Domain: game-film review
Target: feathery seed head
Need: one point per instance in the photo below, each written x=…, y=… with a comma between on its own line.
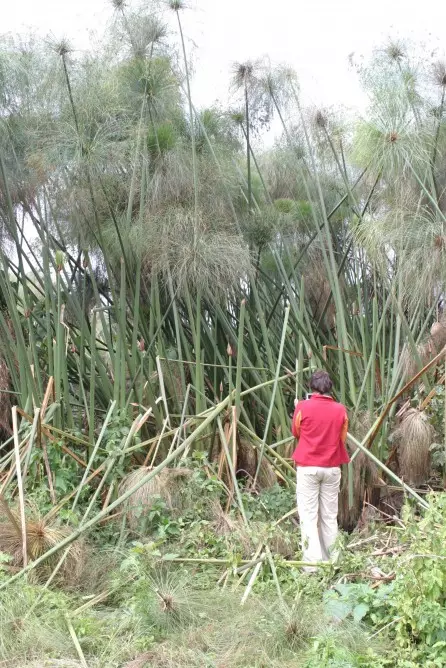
x=176, y=5
x=289, y=74
x=436, y=111
x=320, y=119
x=242, y=73
x=146, y=32
x=238, y=117
x=245, y=69
x=158, y=32
x=194, y=254
x=62, y=47
x=395, y=51
x=167, y=485
x=270, y=83
x=439, y=73
x=438, y=334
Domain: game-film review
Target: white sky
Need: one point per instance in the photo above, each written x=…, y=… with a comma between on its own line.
x=314, y=36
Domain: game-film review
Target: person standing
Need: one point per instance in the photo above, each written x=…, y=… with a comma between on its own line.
x=320, y=424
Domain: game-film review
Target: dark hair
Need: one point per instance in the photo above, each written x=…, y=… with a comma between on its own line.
x=321, y=382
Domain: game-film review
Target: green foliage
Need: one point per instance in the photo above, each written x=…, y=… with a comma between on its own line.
x=159, y=522
x=259, y=230
x=163, y=191
x=117, y=431
x=358, y=601
x=161, y=139
x=66, y=470
x=344, y=647
x=284, y=205
x=271, y=504
x=151, y=80
x=435, y=411
x=146, y=214
x=31, y=636
x=410, y=609
x=418, y=596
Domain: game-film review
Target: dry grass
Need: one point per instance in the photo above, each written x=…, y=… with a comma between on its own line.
x=45, y=663
x=413, y=438
x=169, y=656
x=258, y=634
x=100, y=567
x=172, y=379
x=438, y=334
x=29, y=636
x=167, y=485
x=279, y=541
x=43, y=534
x=426, y=350
x=409, y=362
x=222, y=523
x=140, y=661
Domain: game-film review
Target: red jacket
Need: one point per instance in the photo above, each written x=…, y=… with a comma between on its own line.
x=321, y=425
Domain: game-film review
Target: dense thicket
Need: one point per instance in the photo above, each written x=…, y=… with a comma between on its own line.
x=152, y=249
x=167, y=285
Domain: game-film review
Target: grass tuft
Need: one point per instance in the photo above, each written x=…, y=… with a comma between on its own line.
x=27, y=637
x=167, y=485
x=43, y=533
x=414, y=436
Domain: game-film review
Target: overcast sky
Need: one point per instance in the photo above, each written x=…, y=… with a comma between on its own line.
x=314, y=36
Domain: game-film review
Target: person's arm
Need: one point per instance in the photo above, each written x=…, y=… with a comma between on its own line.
x=344, y=430
x=297, y=417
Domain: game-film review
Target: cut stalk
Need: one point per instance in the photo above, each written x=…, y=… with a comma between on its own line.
x=94, y=453
x=273, y=396
x=20, y=485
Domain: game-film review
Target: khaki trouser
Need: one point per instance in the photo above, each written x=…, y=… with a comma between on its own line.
x=317, y=503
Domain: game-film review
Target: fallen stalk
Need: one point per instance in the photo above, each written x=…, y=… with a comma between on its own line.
x=406, y=387
x=248, y=562
x=391, y=474
x=121, y=499
x=76, y=642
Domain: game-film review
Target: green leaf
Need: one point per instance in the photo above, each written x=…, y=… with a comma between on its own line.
x=360, y=611
x=170, y=557
x=338, y=609
x=344, y=589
